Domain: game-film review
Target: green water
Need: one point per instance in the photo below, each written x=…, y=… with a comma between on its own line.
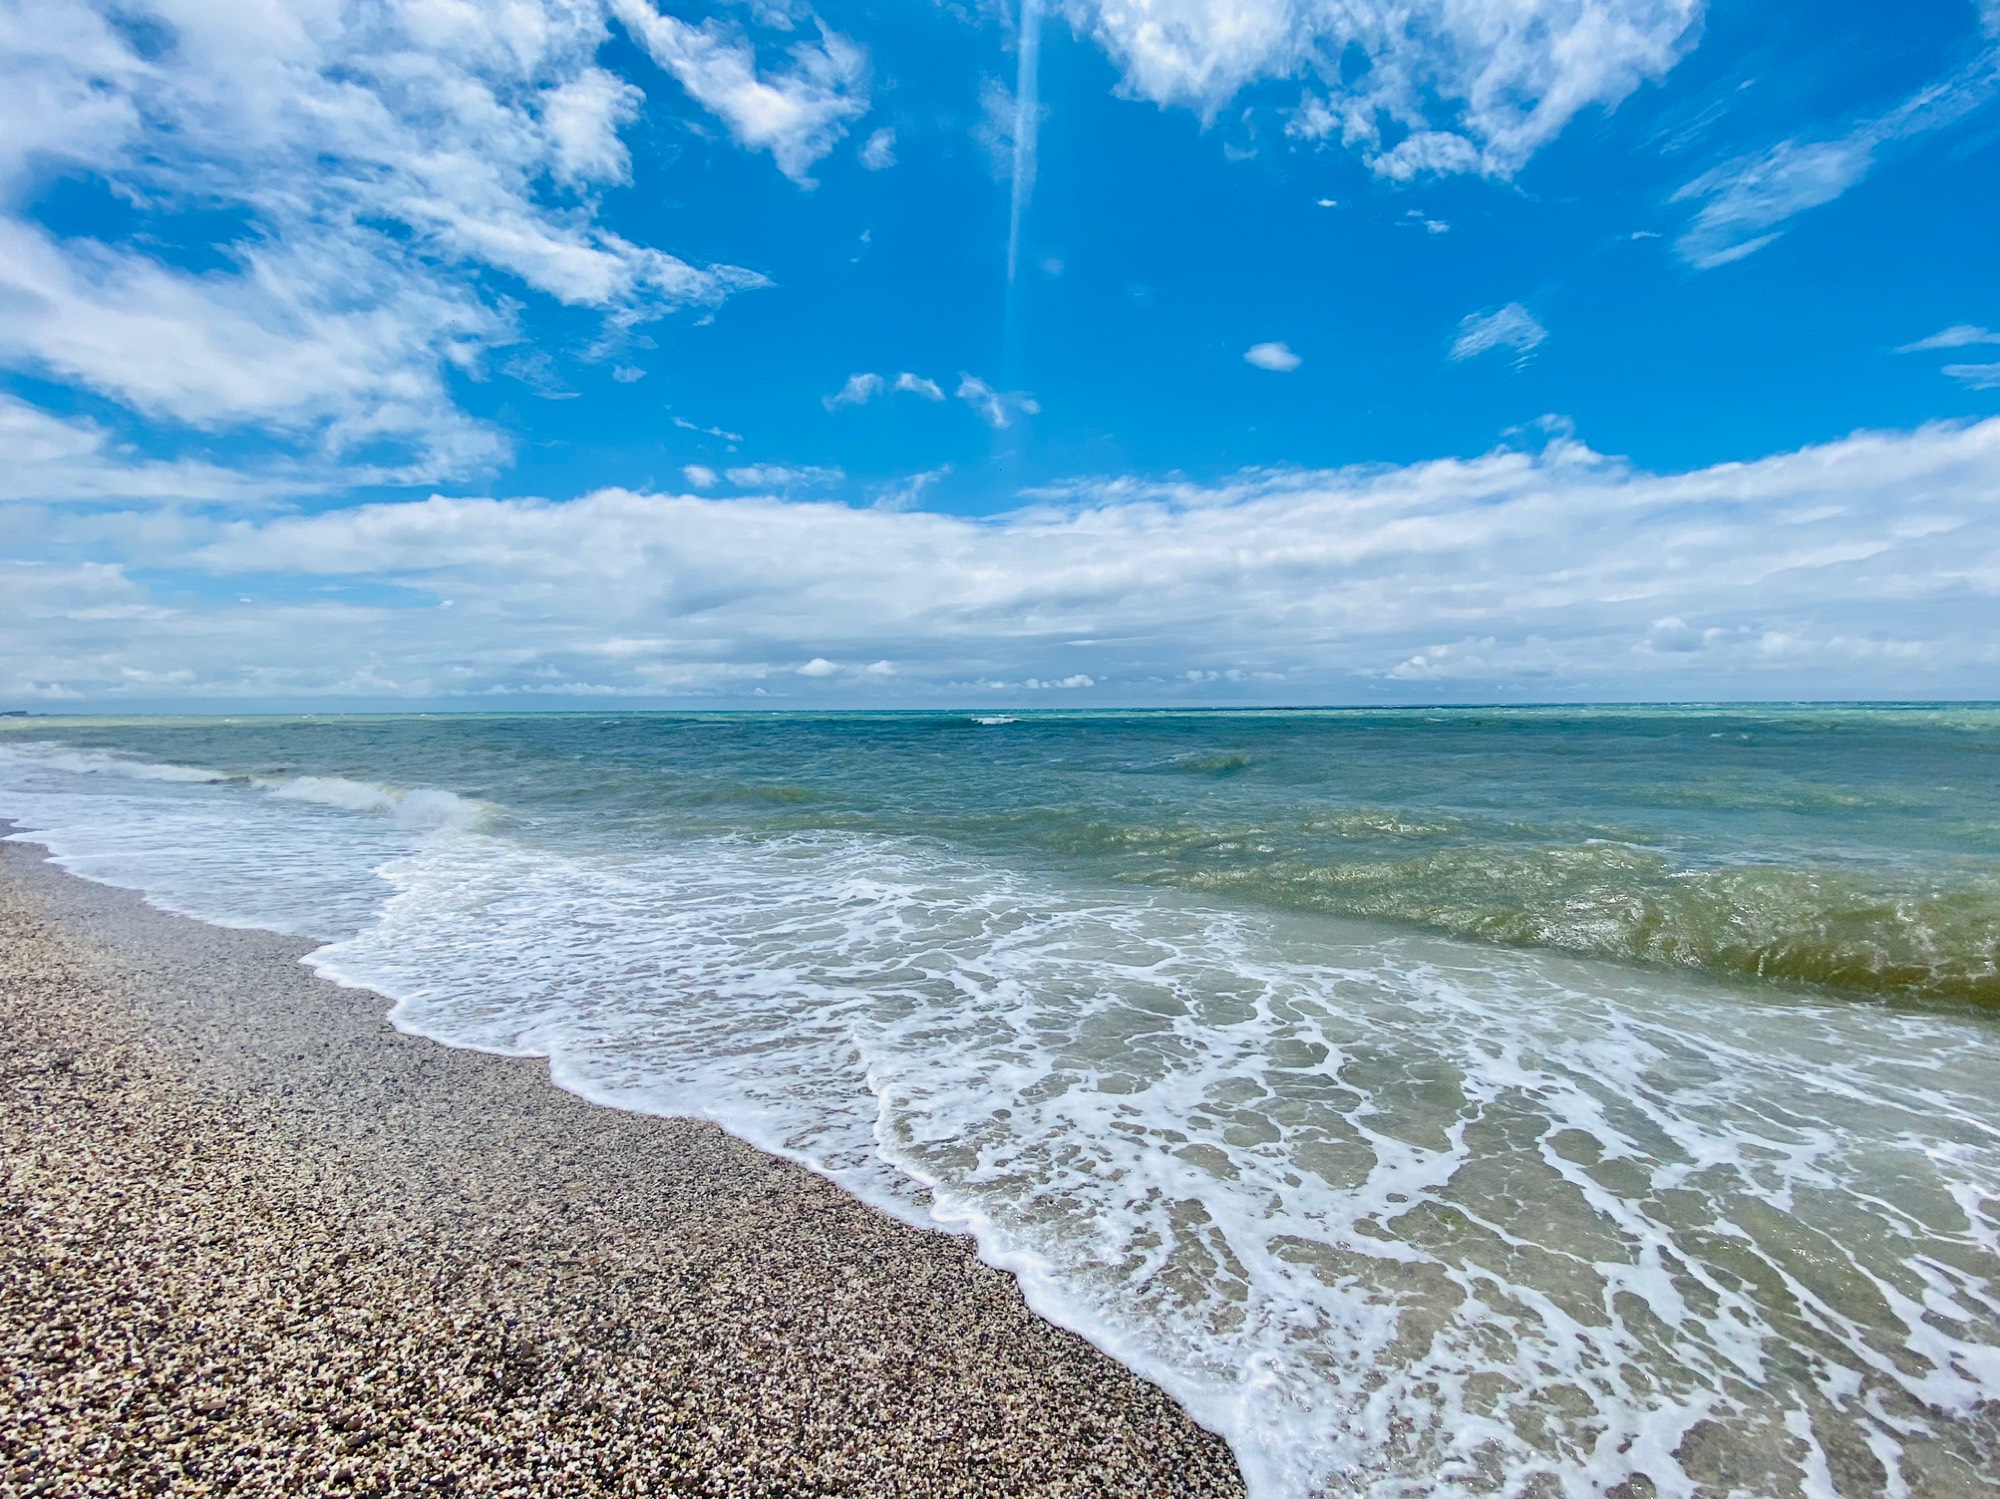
x=1855, y=849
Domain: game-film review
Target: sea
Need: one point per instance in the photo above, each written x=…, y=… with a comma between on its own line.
x=1558, y=1101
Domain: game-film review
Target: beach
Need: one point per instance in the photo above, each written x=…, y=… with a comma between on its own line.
x=1424, y=1104
x=258, y=1242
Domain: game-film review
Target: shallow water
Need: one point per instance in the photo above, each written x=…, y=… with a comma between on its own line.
x=1451, y=1102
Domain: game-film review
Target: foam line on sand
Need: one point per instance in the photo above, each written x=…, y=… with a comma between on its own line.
x=257, y=1241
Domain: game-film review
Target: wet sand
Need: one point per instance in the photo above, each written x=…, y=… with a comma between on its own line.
x=257, y=1242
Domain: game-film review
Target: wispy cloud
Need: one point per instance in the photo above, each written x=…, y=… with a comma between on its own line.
x=1010, y=128
x=782, y=477
x=878, y=152
x=864, y=387
x=73, y=460
x=797, y=114
x=1277, y=357
x=859, y=390
x=1510, y=327
x=1959, y=336
x=997, y=408
x=1426, y=153
x=380, y=167
x=1446, y=87
x=1977, y=376
x=719, y=432
x=908, y=492
x=1746, y=203
x=1027, y=127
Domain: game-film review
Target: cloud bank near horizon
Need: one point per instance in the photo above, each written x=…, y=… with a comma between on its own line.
x=1864, y=567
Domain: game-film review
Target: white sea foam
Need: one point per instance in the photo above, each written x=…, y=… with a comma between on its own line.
x=421, y=809
x=1396, y=1215
x=991, y=720
x=292, y=855
x=1392, y=1214
x=335, y=791
x=104, y=763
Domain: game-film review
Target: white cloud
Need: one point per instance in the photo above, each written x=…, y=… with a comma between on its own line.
x=858, y=391
x=878, y=152
x=71, y=82
x=1746, y=203
x=1958, y=336
x=75, y=461
x=1868, y=566
x=700, y=475
x=862, y=388
x=385, y=163
x=1277, y=357
x=994, y=130
x=1671, y=633
x=1458, y=660
x=997, y=408
x=1511, y=327
x=909, y=491
x=798, y=115
x=1427, y=153
x=1445, y=85
x=1010, y=125
x=582, y=116
x=777, y=476
x=819, y=666
x=278, y=347
x=1023, y=132
x=1978, y=376
x=725, y=435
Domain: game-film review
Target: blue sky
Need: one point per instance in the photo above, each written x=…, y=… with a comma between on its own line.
x=550, y=352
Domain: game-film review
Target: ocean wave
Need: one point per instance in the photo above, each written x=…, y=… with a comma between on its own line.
x=1831, y=927
x=292, y=854
x=1875, y=928
x=1212, y=764
x=97, y=762
x=1398, y=1216
x=418, y=809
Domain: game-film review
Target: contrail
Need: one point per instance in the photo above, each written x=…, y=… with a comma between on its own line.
x=1027, y=118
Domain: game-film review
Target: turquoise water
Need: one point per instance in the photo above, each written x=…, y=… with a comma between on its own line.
x=1455, y=1101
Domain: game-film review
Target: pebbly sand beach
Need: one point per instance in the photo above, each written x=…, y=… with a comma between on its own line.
x=258, y=1242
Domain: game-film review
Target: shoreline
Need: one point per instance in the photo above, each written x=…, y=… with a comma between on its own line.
x=260, y=1239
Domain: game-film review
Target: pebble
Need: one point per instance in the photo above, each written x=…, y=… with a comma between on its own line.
x=256, y=1242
